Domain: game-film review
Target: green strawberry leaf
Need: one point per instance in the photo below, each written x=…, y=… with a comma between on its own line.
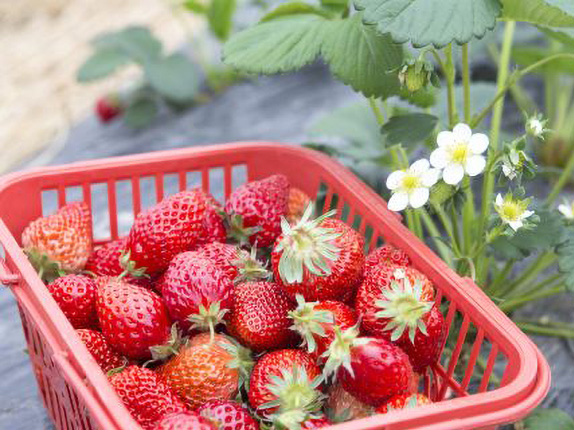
x=553, y=13
x=102, y=63
x=220, y=17
x=409, y=129
x=295, y=8
x=195, y=6
x=528, y=55
x=431, y=22
x=173, y=77
x=140, y=112
x=135, y=41
x=362, y=58
x=563, y=35
x=543, y=419
x=565, y=252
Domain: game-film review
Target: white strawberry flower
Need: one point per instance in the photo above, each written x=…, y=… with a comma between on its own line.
x=459, y=153
x=411, y=186
x=512, y=211
x=567, y=209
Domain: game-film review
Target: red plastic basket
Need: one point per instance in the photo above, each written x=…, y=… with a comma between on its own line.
x=484, y=342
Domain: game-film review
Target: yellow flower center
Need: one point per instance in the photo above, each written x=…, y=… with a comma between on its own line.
x=411, y=182
x=510, y=211
x=459, y=152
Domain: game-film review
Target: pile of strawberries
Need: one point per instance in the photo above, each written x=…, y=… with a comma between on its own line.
x=195, y=332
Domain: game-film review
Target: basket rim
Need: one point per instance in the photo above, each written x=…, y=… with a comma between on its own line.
x=518, y=396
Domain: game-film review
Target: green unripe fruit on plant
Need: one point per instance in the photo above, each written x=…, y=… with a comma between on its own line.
x=415, y=75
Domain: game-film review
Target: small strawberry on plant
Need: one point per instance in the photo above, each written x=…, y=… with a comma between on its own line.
x=60, y=242
x=255, y=210
x=108, y=108
x=145, y=396
x=372, y=370
x=321, y=259
x=76, y=296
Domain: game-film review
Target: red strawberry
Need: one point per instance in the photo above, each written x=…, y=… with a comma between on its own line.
x=207, y=369
x=315, y=423
x=187, y=420
x=343, y=406
x=213, y=222
x=256, y=209
x=320, y=259
x=385, y=287
x=108, y=107
x=174, y=225
x=314, y=321
x=287, y=384
x=403, y=401
x=237, y=263
x=62, y=241
x=296, y=204
x=102, y=352
x=260, y=317
x=133, y=319
x=386, y=254
x=76, y=296
x=228, y=415
x=372, y=370
x=106, y=260
x=196, y=291
x=144, y=395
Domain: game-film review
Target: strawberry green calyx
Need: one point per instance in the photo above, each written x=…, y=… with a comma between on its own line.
x=171, y=347
x=403, y=306
x=306, y=245
x=242, y=360
x=294, y=391
x=208, y=318
x=292, y=420
x=48, y=270
x=250, y=268
x=339, y=352
x=130, y=268
x=308, y=322
x=237, y=231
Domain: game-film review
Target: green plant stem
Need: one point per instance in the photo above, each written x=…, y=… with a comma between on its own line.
x=415, y=223
x=455, y=225
x=377, y=111
x=562, y=180
x=500, y=277
x=488, y=184
x=513, y=304
x=535, y=327
x=466, y=83
x=541, y=263
x=435, y=235
x=450, y=76
x=468, y=214
x=448, y=227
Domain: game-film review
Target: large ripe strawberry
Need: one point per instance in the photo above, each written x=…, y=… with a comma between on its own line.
x=403, y=401
x=286, y=386
x=132, y=318
x=386, y=254
x=297, y=202
x=174, y=225
x=187, y=420
x=260, y=316
x=396, y=304
x=314, y=321
x=372, y=370
x=342, y=406
x=228, y=415
x=76, y=296
x=239, y=264
x=145, y=396
x=213, y=221
x=255, y=210
x=207, y=369
x=110, y=260
x=196, y=291
x=321, y=259
x=102, y=352
x=59, y=242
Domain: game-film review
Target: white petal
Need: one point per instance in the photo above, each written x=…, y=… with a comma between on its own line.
x=526, y=214
x=420, y=166
x=439, y=158
x=398, y=201
x=462, y=132
x=475, y=165
x=453, y=174
x=419, y=197
x=445, y=138
x=478, y=143
x=566, y=210
x=395, y=179
x=430, y=177
x=515, y=224
x=499, y=200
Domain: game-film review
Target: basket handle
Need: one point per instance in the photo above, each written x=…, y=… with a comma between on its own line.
x=6, y=277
